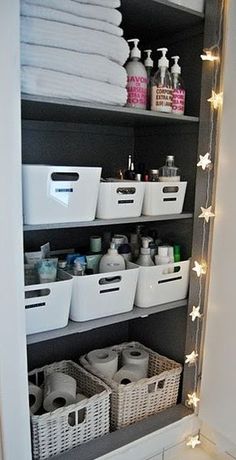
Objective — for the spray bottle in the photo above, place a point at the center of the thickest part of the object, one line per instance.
(162, 92)
(137, 78)
(178, 102)
(149, 68)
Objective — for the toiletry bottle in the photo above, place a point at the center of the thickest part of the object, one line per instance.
(112, 261)
(162, 258)
(162, 92)
(144, 258)
(178, 102)
(169, 172)
(136, 78)
(177, 253)
(171, 269)
(149, 68)
(129, 174)
(125, 251)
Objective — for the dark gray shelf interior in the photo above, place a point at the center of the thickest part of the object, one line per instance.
(102, 222)
(112, 441)
(75, 328)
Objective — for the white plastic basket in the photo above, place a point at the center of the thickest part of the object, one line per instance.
(54, 194)
(120, 199)
(156, 287)
(161, 198)
(106, 294)
(47, 305)
(136, 401)
(58, 431)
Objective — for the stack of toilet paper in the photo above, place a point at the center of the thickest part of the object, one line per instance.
(73, 49)
(59, 390)
(131, 367)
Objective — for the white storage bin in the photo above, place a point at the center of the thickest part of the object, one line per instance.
(54, 194)
(47, 305)
(155, 287)
(196, 5)
(105, 294)
(120, 199)
(162, 198)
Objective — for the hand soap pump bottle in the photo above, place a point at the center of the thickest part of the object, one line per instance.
(136, 78)
(149, 68)
(178, 102)
(112, 261)
(162, 92)
(145, 259)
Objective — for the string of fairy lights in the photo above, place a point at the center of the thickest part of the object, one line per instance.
(211, 55)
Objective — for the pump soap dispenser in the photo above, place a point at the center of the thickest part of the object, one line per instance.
(149, 68)
(136, 78)
(162, 91)
(178, 103)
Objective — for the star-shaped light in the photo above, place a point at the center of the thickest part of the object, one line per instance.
(195, 313)
(216, 100)
(200, 269)
(204, 161)
(193, 442)
(192, 400)
(208, 56)
(206, 213)
(192, 358)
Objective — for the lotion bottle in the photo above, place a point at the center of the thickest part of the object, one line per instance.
(149, 68)
(178, 102)
(145, 259)
(136, 78)
(162, 92)
(111, 261)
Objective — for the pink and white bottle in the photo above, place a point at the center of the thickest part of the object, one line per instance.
(136, 78)
(178, 101)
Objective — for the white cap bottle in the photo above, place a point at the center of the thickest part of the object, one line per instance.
(162, 258)
(144, 258)
(162, 92)
(136, 78)
(178, 102)
(112, 261)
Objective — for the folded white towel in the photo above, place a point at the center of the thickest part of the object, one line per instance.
(56, 34)
(107, 3)
(81, 9)
(42, 82)
(83, 65)
(42, 12)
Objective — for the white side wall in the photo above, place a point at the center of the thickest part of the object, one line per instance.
(218, 393)
(14, 416)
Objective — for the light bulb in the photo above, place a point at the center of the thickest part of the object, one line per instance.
(200, 269)
(204, 161)
(192, 400)
(192, 358)
(195, 313)
(193, 442)
(208, 56)
(206, 213)
(216, 100)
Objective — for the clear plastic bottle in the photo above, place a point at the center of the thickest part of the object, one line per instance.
(178, 102)
(169, 172)
(162, 91)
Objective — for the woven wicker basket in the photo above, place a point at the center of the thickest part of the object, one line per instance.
(52, 432)
(136, 401)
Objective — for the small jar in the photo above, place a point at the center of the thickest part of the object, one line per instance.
(153, 175)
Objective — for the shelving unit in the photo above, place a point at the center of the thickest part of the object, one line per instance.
(71, 133)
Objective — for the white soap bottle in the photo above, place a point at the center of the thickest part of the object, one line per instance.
(149, 68)
(162, 258)
(144, 258)
(178, 102)
(136, 78)
(111, 261)
(162, 92)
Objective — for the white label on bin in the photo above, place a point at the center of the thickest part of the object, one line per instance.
(61, 193)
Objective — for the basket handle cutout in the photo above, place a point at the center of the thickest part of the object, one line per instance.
(169, 199)
(177, 278)
(104, 291)
(126, 190)
(125, 201)
(110, 280)
(153, 387)
(65, 176)
(170, 189)
(35, 305)
(37, 293)
(77, 417)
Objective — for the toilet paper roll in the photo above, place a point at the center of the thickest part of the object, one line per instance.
(105, 361)
(128, 374)
(137, 357)
(59, 391)
(35, 398)
(80, 397)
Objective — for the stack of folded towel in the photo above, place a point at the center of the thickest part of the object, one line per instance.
(73, 49)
